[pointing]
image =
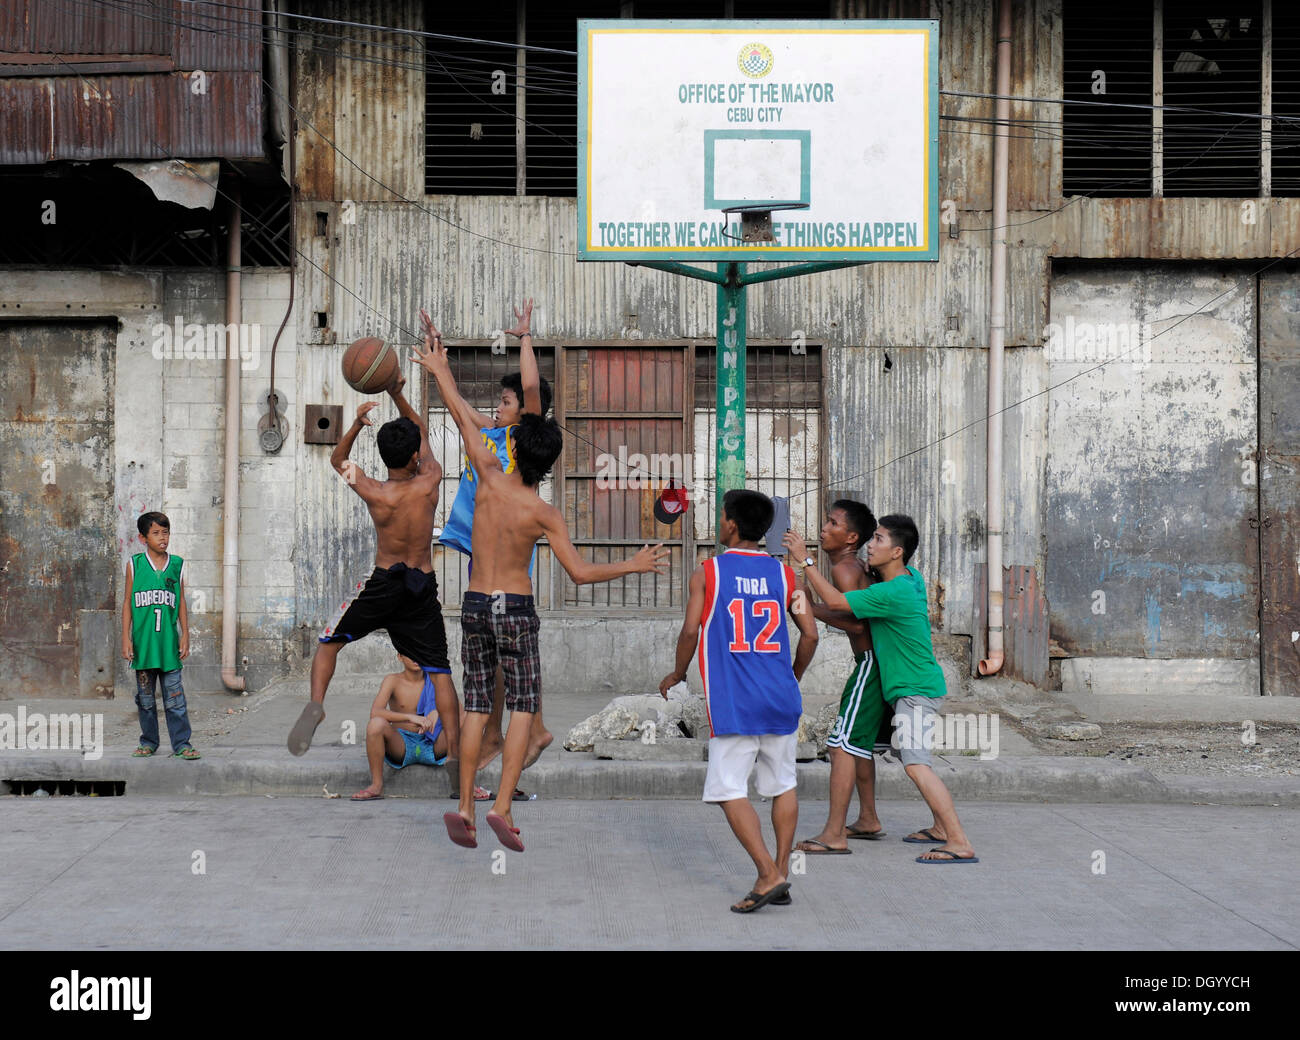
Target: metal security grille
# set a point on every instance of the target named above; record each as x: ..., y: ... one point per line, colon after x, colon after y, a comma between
x: 783, y: 433
x: 1212, y: 59
x: 1215, y: 57
x: 478, y: 370
x: 625, y: 410
x: 501, y: 119
x: 1107, y: 47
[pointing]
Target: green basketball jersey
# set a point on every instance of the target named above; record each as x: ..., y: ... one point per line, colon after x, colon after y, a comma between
x: 155, y: 613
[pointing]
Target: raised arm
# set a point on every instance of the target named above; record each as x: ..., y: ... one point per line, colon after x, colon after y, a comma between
x: 434, y: 361
x: 843, y: 575
x: 689, y: 634
x: 529, y: 375
x: 432, y: 336
x: 428, y: 462
x: 355, y: 476
x: 803, y: 652
x: 646, y: 561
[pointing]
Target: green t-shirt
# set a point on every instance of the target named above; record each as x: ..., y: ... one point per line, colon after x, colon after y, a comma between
x: 900, y: 633
x: 155, y: 613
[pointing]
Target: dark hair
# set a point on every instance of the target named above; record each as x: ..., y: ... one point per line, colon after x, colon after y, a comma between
x: 902, y: 531
x: 751, y: 511
x: 515, y: 381
x: 861, y: 520
x: 398, y: 440
x: 146, y: 520
x: 537, y: 445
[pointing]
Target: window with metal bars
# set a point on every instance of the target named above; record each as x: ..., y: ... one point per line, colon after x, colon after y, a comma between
x: 501, y: 104
x: 636, y: 415
x: 1237, y: 64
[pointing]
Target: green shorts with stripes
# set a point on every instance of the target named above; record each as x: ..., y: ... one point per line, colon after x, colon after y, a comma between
x: 862, y: 710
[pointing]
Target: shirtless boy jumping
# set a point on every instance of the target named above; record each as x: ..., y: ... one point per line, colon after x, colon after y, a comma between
x: 401, y: 594
x: 498, y: 619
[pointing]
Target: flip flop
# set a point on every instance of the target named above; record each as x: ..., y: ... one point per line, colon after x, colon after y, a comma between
x: 460, y: 830
x: 952, y: 858
x: 784, y: 900
x: 824, y: 850
x: 482, y: 794
x: 507, y: 835
x: 929, y: 838
x: 761, y: 900
x: 866, y: 835
x: 143, y: 751
x: 361, y: 796
x: 303, y: 730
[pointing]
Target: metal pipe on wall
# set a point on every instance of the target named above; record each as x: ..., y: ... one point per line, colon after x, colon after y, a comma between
x: 230, y: 514
x: 997, y: 337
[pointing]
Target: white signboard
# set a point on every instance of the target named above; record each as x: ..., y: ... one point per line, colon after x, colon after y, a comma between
x: 679, y: 121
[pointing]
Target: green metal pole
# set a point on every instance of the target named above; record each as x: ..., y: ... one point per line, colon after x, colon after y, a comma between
x: 730, y: 453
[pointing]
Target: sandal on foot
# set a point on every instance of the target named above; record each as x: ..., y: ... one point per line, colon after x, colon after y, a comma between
x: 187, y: 753
x: 303, y: 730
x: 460, y: 830
x: 144, y: 751
x: 952, y: 857
x: 822, y: 848
x: 866, y: 835
x: 758, y: 900
x: 928, y: 839
x: 507, y: 835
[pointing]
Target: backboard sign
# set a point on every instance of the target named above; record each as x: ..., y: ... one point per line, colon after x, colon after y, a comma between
x: 679, y: 120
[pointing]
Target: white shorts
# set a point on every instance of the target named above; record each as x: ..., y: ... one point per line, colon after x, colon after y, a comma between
x: 734, y: 756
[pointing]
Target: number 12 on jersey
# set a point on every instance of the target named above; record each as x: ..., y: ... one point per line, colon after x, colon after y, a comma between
x: 763, y: 643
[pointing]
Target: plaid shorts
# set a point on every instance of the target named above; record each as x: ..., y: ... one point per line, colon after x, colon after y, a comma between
x: 503, y: 628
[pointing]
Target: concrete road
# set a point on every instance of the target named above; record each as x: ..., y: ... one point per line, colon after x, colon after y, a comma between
x: 298, y: 873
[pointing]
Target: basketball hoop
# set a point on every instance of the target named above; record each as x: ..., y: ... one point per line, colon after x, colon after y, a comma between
x: 756, y: 220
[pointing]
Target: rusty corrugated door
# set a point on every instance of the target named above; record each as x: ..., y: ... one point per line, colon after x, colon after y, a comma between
x: 57, y: 535
x: 1279, y: 484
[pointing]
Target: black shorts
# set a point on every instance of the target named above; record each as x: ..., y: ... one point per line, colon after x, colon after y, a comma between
x: 403, y: 601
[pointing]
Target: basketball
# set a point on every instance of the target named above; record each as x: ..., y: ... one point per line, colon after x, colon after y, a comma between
x: 370, y: 365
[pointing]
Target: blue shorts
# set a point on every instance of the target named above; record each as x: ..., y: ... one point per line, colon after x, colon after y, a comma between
x: 417, y: 749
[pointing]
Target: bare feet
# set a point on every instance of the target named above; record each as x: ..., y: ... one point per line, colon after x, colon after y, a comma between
x: 535, y: 750
x: 369, y: 794
x: 491, y: 747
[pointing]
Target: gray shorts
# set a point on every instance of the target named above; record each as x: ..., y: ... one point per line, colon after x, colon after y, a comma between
x: 914, y: 736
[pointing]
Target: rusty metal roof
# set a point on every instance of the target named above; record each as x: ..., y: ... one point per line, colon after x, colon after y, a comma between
x: 163, y: 86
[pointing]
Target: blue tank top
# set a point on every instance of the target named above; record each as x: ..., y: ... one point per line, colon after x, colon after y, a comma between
x: 460, y: 521
x: 744, y: 649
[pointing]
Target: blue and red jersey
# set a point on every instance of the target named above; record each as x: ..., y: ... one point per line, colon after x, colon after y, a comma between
x: 744, y: 649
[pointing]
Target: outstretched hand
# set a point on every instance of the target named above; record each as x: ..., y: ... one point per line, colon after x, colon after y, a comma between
x: 523, y: 322
x: 649, y: 560
x: 436, y: 353
x: 362, y: 411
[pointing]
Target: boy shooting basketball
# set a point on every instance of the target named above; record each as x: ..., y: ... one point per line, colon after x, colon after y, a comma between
x: 401, y: 594
x: 735, y: 613
x: 498, y: 618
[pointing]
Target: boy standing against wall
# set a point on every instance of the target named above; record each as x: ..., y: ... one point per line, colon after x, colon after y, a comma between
x: 156, y: 636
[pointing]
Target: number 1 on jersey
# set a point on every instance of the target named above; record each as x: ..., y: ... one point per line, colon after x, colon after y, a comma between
x: 763, y: 644
x: 157, y: 619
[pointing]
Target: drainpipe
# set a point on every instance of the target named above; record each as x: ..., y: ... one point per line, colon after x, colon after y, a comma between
x: 230, y: 524
x: 997, y: 336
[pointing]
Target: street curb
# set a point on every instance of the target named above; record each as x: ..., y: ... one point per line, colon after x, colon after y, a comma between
x: 273, y: 772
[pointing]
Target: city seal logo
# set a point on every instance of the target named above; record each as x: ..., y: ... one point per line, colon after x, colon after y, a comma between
x: 755, y: 60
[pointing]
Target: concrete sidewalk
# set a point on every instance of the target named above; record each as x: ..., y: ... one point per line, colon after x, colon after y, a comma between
x: 258, y: 873
x: 242, y: 740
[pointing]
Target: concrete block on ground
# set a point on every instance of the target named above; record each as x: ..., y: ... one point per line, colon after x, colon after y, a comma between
x: 660, y: 751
